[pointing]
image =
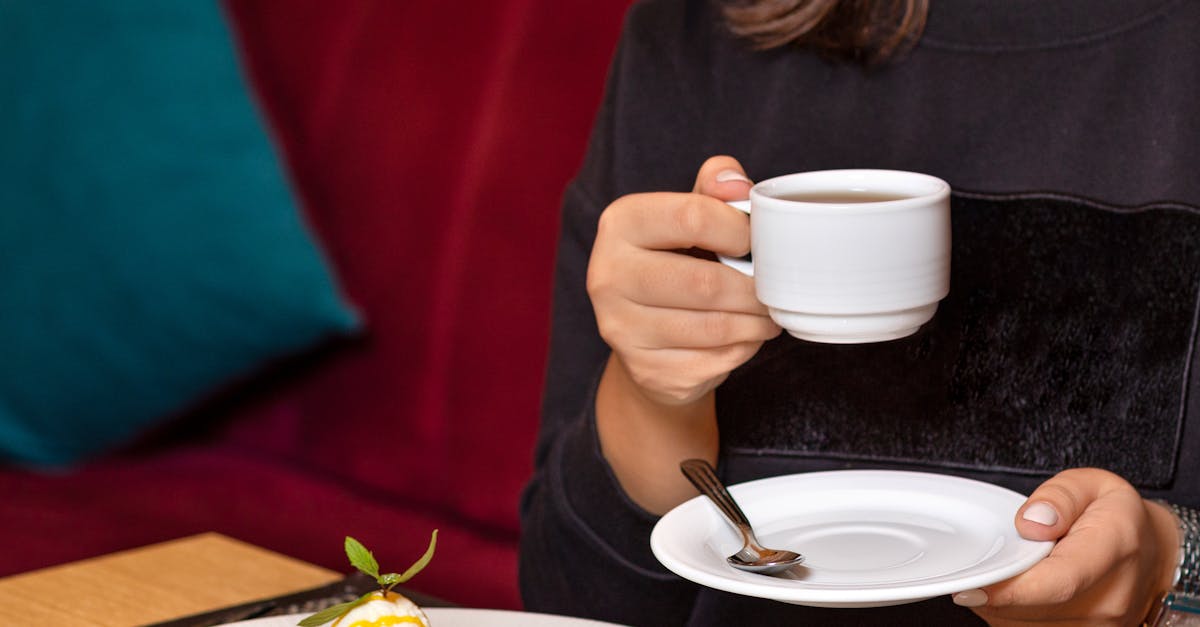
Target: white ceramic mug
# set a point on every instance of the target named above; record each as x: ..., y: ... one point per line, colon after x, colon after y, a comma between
x: 849, y: 256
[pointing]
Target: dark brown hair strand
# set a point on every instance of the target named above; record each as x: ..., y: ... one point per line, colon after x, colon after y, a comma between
x: 866, y: 31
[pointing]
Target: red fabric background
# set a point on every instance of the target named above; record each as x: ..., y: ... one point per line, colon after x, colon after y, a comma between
x: 430, y: 142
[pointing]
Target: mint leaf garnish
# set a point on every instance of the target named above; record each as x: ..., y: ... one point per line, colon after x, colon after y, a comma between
x: 333, y: 613
x: 421, y: 563
x: 361, y: 558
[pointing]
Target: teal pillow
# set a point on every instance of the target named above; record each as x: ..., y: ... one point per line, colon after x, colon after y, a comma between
x: 150, y: 248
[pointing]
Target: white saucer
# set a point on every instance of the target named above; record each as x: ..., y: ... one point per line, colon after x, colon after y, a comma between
x: 870, y: 537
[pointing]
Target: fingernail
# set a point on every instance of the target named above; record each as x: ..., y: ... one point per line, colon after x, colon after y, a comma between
x: 725, y: 176
x: 1041, y: 513
x: 971, y: 598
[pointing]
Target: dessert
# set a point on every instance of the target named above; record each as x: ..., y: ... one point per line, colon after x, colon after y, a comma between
x: 396, y: 609
x: 379, y: 608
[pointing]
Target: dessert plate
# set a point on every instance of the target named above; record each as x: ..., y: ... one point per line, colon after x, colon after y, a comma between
x: 870, y: 537
x: 455, y: 617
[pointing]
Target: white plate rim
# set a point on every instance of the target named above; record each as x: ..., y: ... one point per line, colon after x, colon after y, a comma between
x: 698, y: 512
x: 461, y: 616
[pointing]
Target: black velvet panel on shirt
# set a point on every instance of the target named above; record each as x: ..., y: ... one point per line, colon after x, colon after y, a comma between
x: 1065, y: 342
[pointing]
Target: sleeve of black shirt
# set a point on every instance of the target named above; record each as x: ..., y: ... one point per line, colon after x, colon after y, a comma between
x: 585, y: 547
x: 584, y: 544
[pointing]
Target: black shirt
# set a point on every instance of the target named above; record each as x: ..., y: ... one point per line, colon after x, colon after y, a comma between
x: 1070, y: 131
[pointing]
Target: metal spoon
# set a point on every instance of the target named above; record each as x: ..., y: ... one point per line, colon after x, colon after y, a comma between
x: 753, y: 556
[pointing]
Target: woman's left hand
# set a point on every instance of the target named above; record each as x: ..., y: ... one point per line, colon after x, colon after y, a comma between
x: 1116, y: 555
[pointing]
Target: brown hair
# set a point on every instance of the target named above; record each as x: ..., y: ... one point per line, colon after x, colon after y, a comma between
x: 866, y: 31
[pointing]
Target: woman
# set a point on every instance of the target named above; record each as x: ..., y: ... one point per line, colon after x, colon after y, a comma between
x: 1062, y: 365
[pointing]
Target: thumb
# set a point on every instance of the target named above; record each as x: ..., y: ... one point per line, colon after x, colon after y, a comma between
x: 1056, y: 504
x: 723, y: 177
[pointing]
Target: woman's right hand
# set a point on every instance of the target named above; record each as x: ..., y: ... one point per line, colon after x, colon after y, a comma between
x: 677, y: 323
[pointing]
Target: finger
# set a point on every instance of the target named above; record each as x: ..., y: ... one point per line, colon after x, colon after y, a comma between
x: 1075, y: 565
x: 723, y: 177
x: 658, y: 329
x: 666, y: 279
x: 670, y: 221
x: 1056, y: 504
x: 682, y: 372
x: 1102, y: 514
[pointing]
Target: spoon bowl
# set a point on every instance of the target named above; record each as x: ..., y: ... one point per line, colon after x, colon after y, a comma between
x: 753, y: 557
x: 763, y: 560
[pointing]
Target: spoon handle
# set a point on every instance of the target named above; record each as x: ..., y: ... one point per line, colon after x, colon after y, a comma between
x: 702, y: 475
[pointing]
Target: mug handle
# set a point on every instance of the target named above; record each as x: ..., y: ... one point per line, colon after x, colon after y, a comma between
x: 745, y: 265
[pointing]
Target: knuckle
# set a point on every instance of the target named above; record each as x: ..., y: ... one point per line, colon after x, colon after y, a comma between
x: 1127, y: 534
x: 617, y: 219
x: 718, y: 327
x: 716, y: 161
x: 702, y: 281
x: 1092, y: 476
x: 1101, y: 474
x: 605, y: 276
x: 689, y: 218
x: 617, y: 330
x: 611, y: 331
x: 602, y: 289
x: 1062, y: 495
x: 738, y: 354
x: 642, y: 378
x: 597, y: 280
x: 644, y: 375
x: 608, y: 223
x: 1063, y: 590
x: 670, y: 390
x: 1113, y: 611
x: 648, y: 280
x: 677, y: 394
